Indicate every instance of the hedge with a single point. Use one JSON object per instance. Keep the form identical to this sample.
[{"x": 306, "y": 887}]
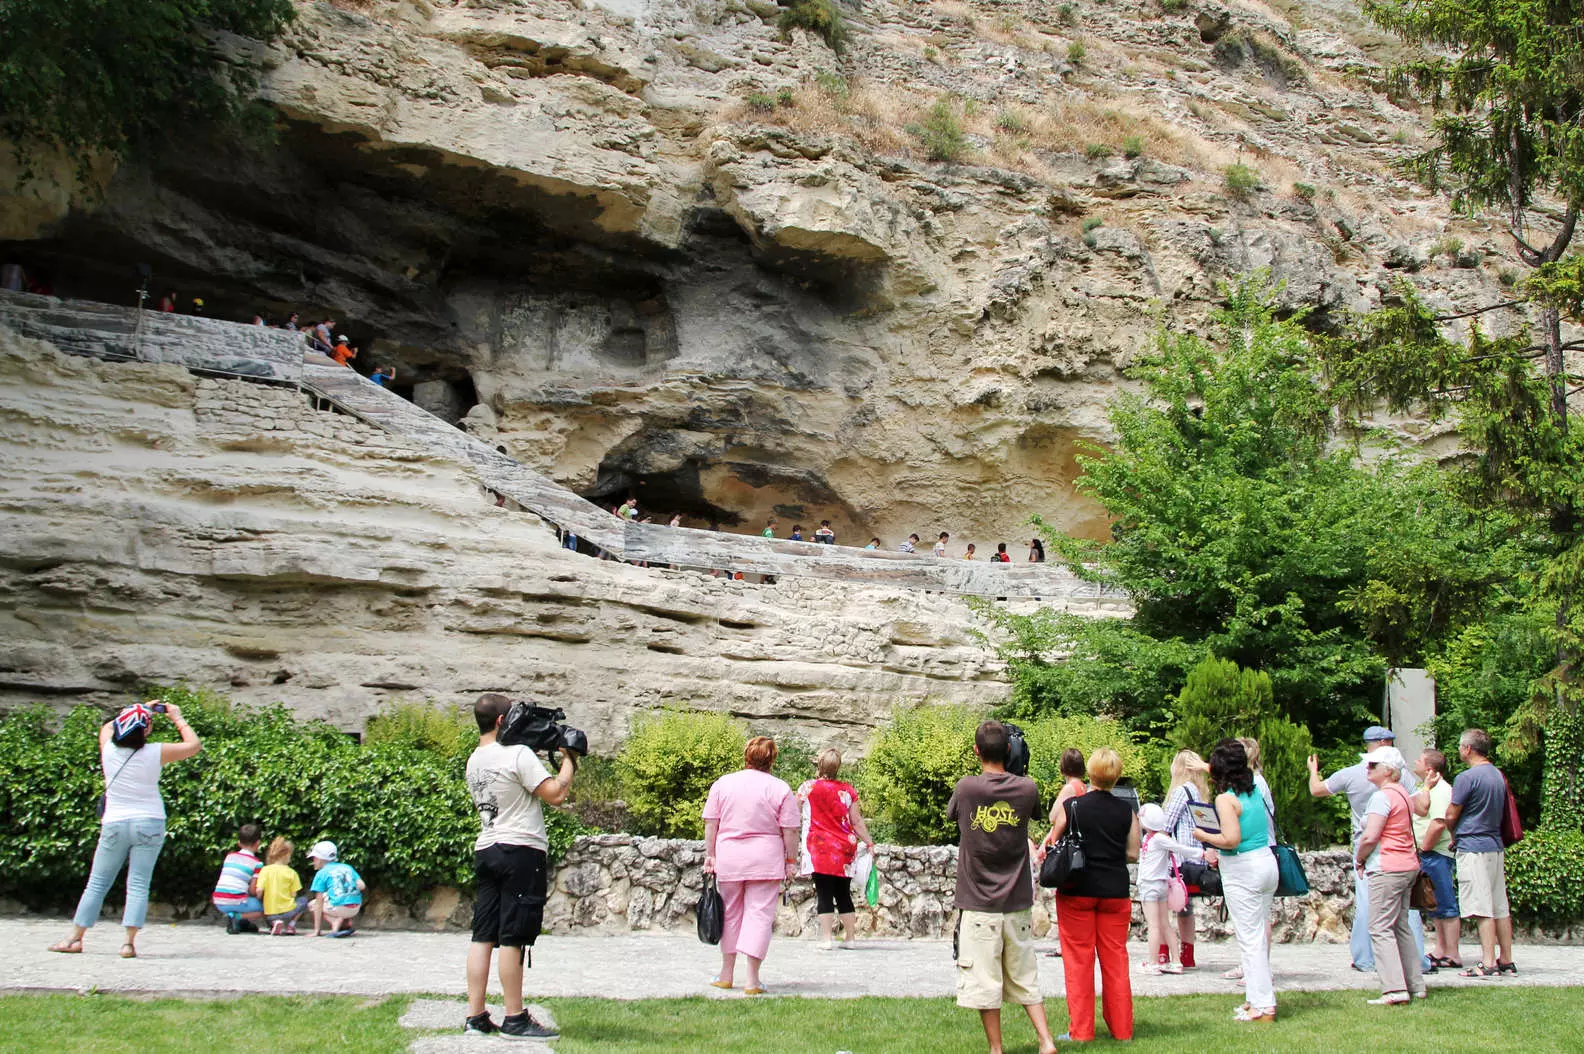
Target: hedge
[
  {"x": 1545, "y": 877},
  {"x": 399, "y": 812}
]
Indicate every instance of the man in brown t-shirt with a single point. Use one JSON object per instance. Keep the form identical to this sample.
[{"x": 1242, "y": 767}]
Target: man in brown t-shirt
[{"x": 995, "y": 890}]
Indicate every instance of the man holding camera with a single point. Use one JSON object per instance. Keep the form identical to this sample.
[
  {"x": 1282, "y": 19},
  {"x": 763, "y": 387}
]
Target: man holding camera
[{"x": 508, "y": 785}]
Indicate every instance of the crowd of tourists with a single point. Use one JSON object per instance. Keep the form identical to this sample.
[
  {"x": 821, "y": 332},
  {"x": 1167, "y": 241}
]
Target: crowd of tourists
[{"x": 1419, "y": 840}]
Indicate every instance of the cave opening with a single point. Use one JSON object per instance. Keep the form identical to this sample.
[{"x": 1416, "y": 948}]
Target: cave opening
[{"x": 662, "y": 494}]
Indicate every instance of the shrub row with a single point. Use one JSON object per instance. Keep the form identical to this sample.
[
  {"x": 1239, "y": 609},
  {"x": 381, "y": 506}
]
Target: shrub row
[{"x": 396, "y": 806}]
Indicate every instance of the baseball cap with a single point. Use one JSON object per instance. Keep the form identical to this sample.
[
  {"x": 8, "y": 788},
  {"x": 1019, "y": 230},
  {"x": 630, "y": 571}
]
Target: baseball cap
[
  {"x": 342, "y": 338},
  {"x": 129, "y": 720},
  {"x": 1152, "y": 817},
  {"x": 325, "y": 851},
  {"x": 1375, "y": 733},
  {"x": 1391, "y": 757}
]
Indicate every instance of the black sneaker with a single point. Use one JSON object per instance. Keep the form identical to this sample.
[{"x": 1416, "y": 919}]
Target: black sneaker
[
  {"x": 231, "y": 925},
  {"x": 479, "y": 1026},
  {"x": 523, "y": 1026},
  {"x": 246, "y": 926}
]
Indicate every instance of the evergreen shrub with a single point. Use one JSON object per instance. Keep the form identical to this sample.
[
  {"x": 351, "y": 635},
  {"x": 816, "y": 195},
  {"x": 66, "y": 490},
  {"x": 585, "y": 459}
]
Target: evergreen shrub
[
  {"x": 397, "y": 806},
  {"x": 668, "y": 763},
  {"x": 1545, "y": 877}
]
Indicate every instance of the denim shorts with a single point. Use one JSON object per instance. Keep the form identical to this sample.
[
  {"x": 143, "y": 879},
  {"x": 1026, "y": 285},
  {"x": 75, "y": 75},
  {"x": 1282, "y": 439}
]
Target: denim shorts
[{"x": 1439, "y": 868}]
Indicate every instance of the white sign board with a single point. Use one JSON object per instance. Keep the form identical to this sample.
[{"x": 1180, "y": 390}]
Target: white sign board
[{"x": 1410, "y": 708}]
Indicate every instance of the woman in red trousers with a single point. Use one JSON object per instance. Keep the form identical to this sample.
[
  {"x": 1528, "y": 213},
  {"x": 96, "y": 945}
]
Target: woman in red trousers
[{"x": 1093, "y": 912}]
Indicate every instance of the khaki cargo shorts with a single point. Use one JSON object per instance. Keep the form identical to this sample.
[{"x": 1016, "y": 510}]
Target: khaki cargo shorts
[
  {"x": 1482, "y": 885},
  {"x": 996, "y": 961}
]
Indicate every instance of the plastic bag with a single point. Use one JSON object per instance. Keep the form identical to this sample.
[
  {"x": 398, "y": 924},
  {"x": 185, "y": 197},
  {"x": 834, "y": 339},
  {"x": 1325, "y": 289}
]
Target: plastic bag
[
  {"x": 863, "y": 863},
  {"x": 711, "y": 913},
  {"x": 872, "y": 888}
]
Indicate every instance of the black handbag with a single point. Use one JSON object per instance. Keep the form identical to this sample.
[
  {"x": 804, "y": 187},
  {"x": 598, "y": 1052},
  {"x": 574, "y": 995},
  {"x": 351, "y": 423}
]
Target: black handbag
[
  {"x": 711, "y": 913},
  {"x": 1202, "y": 879},
  {"x": 1066, "y": 858}
]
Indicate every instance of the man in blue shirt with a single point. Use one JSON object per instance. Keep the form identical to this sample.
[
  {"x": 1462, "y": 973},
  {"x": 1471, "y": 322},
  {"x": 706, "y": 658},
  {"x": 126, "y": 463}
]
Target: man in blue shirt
[{"x": 1479, "y": 804}]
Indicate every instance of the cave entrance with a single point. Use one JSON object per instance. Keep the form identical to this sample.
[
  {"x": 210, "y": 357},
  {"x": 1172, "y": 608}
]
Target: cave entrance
[{"x": 661, "y": 494}]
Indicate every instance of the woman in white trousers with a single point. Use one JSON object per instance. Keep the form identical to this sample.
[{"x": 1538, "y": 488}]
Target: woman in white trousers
[{"x": 1248, "y": 873}]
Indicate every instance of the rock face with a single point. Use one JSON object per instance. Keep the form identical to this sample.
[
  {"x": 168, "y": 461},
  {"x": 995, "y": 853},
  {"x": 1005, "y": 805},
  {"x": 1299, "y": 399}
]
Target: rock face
[
  {"x": 669, "y": 250},
  {"x": 161, "y": 527}
]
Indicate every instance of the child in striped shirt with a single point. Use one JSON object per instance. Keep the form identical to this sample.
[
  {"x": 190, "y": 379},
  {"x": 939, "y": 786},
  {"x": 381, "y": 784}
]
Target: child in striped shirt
[{"x": 236, "y": 890}]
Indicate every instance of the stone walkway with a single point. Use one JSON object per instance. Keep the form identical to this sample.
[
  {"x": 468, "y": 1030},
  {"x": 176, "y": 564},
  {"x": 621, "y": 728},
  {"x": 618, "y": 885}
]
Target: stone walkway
[{"x": 199, "y": 959}]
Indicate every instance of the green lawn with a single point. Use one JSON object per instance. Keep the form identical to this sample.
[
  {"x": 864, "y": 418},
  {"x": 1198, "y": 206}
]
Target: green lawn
[{"x": 1501, "y": 1018}]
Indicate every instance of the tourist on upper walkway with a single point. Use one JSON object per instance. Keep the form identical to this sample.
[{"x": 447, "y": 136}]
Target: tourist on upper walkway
[
  {"x": 833, "y": 828},
  {"x": 874, "y": 543},
  {"x": 824, "y": 535},
  {"x": 769, "y": 530},
  {"x": 1000, "y": 556},
  {"x": 968, "y": 554},
  {"x": 1387, "y": 855},
  {"x": 383, "y": 376},
  {"x": 167, "y": 303},
  {"x": 994, "y": 893},
  {"x": 676, "y": 521},
  {"x": 343, "y": 353},
  {"x": 1479, "y": 804},
  {"x": 291, "y": 322},
  {"x": 909, "y": 546},
  {"x": 797, "y": 532},
  {"x": 1354, "y": 782},
  {"x": 751, "y": 846},
  {"x": 1188, "y": 784},
  {"x": 1094, "y": 910},
  {"x": 1248, "y": 873},
  {"x": 1036, "y": 551},
  {"x": 132, "y": 825},
  {"x": 940, "y": 544}
]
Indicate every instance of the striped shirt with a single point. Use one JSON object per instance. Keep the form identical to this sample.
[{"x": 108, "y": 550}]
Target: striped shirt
[{"x": 236, "y": 877}]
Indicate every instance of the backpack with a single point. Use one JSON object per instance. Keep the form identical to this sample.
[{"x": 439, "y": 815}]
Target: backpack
[{"x": 1017, "y": 761}]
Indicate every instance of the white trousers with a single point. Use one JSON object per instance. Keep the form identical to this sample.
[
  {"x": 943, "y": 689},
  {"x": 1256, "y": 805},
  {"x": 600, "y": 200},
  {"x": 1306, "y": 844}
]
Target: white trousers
[{"x": 1249, "y": 880}]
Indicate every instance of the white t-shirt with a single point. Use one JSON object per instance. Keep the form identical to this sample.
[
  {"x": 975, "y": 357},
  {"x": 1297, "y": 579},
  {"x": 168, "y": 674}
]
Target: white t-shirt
[
  {"x": 132, "y": 790},
  {"x": 502, "y": 781}
]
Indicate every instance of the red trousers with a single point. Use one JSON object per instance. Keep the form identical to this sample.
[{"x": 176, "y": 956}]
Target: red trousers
[{"x": 1093, "y": 927}]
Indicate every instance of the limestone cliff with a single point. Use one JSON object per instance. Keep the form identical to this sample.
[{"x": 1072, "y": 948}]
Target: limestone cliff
[
  {"x": 161, "y": 527},
  {"x": 668, "y": 249}
]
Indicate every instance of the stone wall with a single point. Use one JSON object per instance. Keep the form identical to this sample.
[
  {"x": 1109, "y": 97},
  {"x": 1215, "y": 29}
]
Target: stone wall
[{"x": 617, "y": 883}]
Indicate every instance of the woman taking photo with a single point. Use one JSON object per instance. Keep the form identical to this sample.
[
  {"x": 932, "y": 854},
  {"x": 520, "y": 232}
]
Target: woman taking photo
[
  {"x": 1093, "y": 911},
  {"x": 132, "y": 829},
  {"x": 1248, "y": 873},
  {"x": 750, "y": 846},
  {"x": 1388, "y": 855},
  {"x": 1188, "y": 783},
  {"x": 832, "y": 829}
]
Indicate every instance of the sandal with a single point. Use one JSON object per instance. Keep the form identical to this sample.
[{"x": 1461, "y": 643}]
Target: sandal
[
  {"x": 1481, "y": 970},
  {"x": 127, "y": 951},
  {"x": 1446, "y": 962},
  {"x": 716, "y": 982},
  {"x": 69, "y": 946},
  {"x": 1511, "y": 968},
  {"x": 757, "y": 990}
]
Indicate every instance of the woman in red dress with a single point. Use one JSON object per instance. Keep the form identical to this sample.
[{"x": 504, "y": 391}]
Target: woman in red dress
[{"x": 832, "y": 829}]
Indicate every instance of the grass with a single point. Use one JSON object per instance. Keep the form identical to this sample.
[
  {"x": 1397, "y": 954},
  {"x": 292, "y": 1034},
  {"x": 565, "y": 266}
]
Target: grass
[{"x": 1497, "y": 1020}]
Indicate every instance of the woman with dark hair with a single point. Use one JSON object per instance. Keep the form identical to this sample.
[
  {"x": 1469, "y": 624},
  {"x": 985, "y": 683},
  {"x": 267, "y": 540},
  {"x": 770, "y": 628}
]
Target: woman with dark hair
[
  {"x": 1036, "y": 551},
  {"x": 751, "y": 822},
  {"x": 132, "y": 828},
  {"x": 1072, "y": 772},
  {"x": 1248, "y": 873}
]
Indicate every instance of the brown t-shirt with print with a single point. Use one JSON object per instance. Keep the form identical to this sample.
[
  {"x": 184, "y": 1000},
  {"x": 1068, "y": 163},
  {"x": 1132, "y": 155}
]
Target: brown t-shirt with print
[{"x": 992, "y": 812}]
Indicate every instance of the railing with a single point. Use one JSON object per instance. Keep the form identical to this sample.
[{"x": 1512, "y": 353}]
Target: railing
[{"x": 258, "y": 353}]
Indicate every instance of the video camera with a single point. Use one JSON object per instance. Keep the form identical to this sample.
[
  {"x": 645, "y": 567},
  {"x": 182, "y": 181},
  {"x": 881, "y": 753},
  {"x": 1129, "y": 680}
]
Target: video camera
[{"x": 540, "y": 728}]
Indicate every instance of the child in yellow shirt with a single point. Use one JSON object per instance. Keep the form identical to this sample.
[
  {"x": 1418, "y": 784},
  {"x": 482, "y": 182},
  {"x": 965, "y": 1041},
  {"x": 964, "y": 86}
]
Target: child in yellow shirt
[{"x": 278, "y": 886}]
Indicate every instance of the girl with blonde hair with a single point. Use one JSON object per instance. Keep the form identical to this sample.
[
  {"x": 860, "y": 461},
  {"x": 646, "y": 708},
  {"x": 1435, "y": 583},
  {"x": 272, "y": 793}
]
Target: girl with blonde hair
[{"x": 1188, "y": 783}]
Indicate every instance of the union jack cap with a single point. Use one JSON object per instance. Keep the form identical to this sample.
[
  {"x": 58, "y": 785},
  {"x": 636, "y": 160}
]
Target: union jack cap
[{"x": 130, "y": 720}]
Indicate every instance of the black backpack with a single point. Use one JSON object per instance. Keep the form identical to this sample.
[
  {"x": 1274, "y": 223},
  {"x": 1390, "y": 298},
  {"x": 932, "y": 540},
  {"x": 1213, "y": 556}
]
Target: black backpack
[{"x": 1017, "y": 761}]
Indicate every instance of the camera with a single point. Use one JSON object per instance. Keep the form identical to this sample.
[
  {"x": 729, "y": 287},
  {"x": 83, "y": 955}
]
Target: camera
[
  {"x": 159, "y": 708},
  {"x": 541, "y": 728}
]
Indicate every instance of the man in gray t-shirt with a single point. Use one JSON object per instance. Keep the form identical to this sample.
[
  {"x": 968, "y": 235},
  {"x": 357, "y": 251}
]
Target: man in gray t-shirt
[
  {"x": 1354, "y": 782},
  {"x": 1479, "y": 804}
]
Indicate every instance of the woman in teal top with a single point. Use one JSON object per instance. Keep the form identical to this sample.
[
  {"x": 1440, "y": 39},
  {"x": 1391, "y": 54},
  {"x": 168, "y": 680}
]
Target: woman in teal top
[{"x": 1248, "y": 873}]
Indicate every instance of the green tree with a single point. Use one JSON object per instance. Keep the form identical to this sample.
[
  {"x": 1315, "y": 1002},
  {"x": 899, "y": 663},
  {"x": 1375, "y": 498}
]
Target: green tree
[
  {"x": 84, "y": 76},
  {"x": 668, "y": 764},
  {"x": 1219, "y": 700}
]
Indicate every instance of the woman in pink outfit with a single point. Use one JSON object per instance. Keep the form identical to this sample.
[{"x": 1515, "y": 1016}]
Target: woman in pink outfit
[{"x": 750, "y": 843}]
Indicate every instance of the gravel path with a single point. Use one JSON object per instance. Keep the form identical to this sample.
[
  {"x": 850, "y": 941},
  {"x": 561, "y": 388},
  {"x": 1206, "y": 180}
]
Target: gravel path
[{"x": 200, "y": 959}]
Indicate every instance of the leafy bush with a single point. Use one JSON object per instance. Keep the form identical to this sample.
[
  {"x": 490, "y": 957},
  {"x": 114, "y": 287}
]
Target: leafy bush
[
  {"x": 420, "y": 726},
  {"x": 1066, "y": 15},
  {"x": 400, "y": 813},
  {"x": 1303, "y": 191},
  {"x": 1172, "y": 7},
  {"x": 819, "y": 17},
  {"x": 1240, "y": 180},
  {"x": 832, "y": 84},
  {"x": 941, "y": 133},
  {"x": 668, "y": 764},
  {"x": 1545, "y": 876},
  {"x": 1076, "y": 52},
  {"x": 1133, "y": 146},
  {"x": 916, "y": 759},
  {"x": 785, "y": 98},
  {"x": 1092, "y": 223}
]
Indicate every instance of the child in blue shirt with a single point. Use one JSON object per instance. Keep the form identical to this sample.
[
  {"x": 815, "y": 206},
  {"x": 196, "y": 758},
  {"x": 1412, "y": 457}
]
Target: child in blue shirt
[{"x": 337, "y": 889}]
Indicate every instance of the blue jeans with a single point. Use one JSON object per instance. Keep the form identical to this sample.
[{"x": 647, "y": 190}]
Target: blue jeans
[
  {"x": 1359, "y": 939},
  {"x": 1439, "y": 868},
  {"x": 135, "y": 845}
]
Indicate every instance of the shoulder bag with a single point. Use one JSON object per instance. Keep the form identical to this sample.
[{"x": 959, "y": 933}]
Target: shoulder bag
[
  {"x": 1512, "y": 828},
  {"x": 104, "y": 799},
  {"x": 711, "y": 913},
  {"x": 1066, "y": 858},
  {"x": 1290, "y": 878}
]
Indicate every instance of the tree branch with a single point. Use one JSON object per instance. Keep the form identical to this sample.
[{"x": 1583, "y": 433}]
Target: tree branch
[{"x": 1476, "y": 311}]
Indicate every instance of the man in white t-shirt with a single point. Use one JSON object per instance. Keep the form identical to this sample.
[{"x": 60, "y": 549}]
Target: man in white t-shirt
[
  {"x": 508, "y": 785},
  {"x": 1353, "y": 781}
]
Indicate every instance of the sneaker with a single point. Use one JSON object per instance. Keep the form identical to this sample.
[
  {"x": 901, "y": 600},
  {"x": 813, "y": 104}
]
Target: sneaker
[
  {"x": 479, "y": 1026},
  {"x": 523, "y": 1026},
  {"x": 1188, "y": 962},
  {"x": 232, "y": 929},
  {"x": 826, "y": 946},
  {"x": 1171, "y": 968},
  {"x": 278, "y": 928},
  {"x": 1149, "y": 967},
  {"x": 1391, "y": 999},
  {"x": 246, "y": 926},
  {"x": 340, "y": 933}
]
